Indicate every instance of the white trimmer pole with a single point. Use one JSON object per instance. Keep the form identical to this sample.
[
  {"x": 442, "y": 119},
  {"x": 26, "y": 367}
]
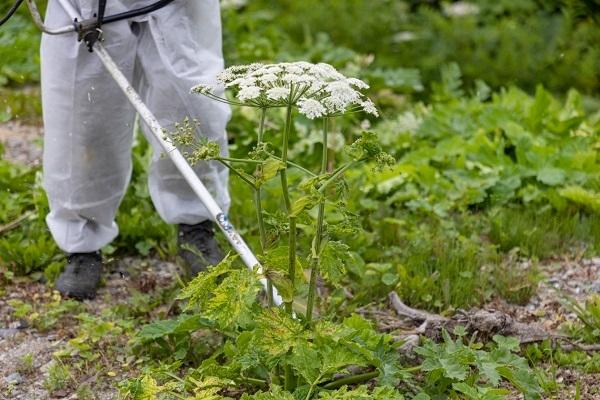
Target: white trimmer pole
[{"x": 177, "y": 158}]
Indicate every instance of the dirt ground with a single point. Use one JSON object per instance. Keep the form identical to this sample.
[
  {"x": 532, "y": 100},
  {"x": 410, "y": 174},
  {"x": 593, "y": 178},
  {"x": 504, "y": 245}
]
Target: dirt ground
[
  {"x": 122, "y": 279},
  {"x": 573, "y": 276},
  {"x": 22, "y": 143}
]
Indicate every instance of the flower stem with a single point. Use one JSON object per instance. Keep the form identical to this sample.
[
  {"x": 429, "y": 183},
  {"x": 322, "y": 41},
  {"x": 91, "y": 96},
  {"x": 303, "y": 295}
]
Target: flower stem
[
  {"x": 235, "y": 171},
  {"x": 337, "y": 173},
  {"x": 349, "y": 380},
  {"x": 240, "y": 160},
  {"x": 293, "y": 164},
  {"x": 249, "y": 161},
  {"x": 288, "y": 206},
  {"x": 259, "y": 215},
  {"x": 316, "y": 256}
]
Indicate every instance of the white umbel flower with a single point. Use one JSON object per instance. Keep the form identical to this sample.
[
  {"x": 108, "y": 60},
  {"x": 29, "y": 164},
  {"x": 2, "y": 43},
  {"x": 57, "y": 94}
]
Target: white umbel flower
[
  {"x": 203, "y": 88},
  {"x": 249, "y": 93},
  {"x": 267, "y": 78},
  {"x": 369, "y": 107},
  {"x": 311, "y": 108},
  {"x": 277, "y": 85},
  {"x": 278, "y": 93}
]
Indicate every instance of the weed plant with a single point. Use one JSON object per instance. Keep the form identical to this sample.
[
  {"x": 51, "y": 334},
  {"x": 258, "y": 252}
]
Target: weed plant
[{"x": 296, "y": 350}]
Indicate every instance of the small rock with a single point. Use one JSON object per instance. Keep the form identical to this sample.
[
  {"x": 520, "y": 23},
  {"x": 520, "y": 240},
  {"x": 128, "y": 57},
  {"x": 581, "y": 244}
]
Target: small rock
[
  {"x": 20, "y": 324},
  {"x": 8, "y": 333},
  {"x": 14, "y": 379}
]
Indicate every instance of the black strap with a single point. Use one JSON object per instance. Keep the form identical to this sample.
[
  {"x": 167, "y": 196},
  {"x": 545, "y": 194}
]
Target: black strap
[
  {"x": 137, "y": 12},
  {"x": 101, "y": 11},
  {"x": 90, "y": 29},
  {"x": 11, "y": 12}
]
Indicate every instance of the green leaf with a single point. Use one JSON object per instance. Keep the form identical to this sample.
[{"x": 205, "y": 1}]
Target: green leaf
[
  {"x": 276, "y": 262},
  {"x": 523, "y": 380},
  {"x": 275, "y": 393},
  {"x": 389, "y": 278},
  {"x": 332, "y": 261},
  {"x": 224, "y": 293},
  {"x": 268, "y": 170},
  {"x": 301, "y": 204},
  {"x": 306, "y": 361},
  {"x": 460, "y": 331},
  {"x": 278, "y": 333},
  {"x": 509, "y": 343},
  {"x": 467, "y": 390},
  {"x": 362, "y": 393},
  {"x": 583, "y": 197},
  {"x": 488, "y": 370},
  {"x": 283, "y": 284},
  {"x": 551, "y": 176},
  {"x": 480, "y": 393},
  {"x": 453, "y": 369},
  {"x": 421, "y": 396},
  {"x": 182, "y": 324}
]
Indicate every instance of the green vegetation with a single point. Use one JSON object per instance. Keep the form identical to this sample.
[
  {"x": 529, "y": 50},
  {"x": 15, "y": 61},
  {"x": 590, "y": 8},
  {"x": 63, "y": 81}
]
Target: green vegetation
[
  {"x": 503, "y": 43},
  {"x": 587, "y": 325}
]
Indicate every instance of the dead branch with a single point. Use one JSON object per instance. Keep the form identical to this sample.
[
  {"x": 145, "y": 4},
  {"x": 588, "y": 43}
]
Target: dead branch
[
  {"x": 483, "y": 323},
  {"x": 590, "y": 348},
  {"x": 15, "y": 223}
]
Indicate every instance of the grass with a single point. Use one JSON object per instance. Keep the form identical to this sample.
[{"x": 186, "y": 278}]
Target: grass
[
  {"x": 542, "y": 234},
  {"x": 26, "y": 365},
  {"x": 440, "y": 273},
  {"x": 587, "y": 326},
  {"x": 59, "y": 377},
  {"x": 516, "y": 280}
]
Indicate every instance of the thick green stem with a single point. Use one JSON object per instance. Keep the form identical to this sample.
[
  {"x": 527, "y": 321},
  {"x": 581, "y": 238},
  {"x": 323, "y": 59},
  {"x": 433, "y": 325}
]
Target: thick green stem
[
  {"x": 289, "y": 376},
  {"x": 316, "y": 256},
  {"x": 288, "y": 206},
  {"x": 349, "y": 380},
  {"x": 259, "y": 215}
]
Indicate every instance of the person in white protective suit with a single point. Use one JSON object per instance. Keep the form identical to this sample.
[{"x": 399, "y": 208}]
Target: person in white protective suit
[{"x": 89, "y": 129}]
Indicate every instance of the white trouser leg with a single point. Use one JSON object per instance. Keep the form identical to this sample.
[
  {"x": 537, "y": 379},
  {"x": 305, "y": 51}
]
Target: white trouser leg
[
  {"x": 180, "y": 46},
  {"x": 88, "y": 133}
]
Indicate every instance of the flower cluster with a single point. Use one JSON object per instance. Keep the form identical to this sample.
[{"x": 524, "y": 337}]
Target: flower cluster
[
  {"x": 195, "y": 148},
  {"x": 318, "y": 90}
]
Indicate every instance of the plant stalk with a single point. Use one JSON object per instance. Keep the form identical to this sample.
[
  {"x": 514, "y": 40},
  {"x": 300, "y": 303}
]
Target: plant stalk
[
  {"x": 349, "y": 380},
  {"x": 243, "y": 160},
  {"x": 235, "y": 171},
  {"x": 337, "y": 173},
  {"x": 289, "y": 376},
  {"x": 259, "y": 215},
  {"x": 316, "y": 257},
  {"x": 288, "y": 206}
]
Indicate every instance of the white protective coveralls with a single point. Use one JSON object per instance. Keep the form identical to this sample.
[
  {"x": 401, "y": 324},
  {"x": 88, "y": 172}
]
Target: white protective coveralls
[{"x": 89, "y": 121}]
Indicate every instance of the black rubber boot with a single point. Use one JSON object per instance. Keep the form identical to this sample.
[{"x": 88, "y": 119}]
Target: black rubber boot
[
  {"x": 81, "y": 276},
  {"x": 200, "y": 238}
]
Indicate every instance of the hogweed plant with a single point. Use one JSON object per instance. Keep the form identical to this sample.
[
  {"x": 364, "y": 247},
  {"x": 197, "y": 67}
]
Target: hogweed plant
[
  {"x": 283, "y": 352},
  {"x": 315, "y": 91},
  {"x": 287, "y": 339}
]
